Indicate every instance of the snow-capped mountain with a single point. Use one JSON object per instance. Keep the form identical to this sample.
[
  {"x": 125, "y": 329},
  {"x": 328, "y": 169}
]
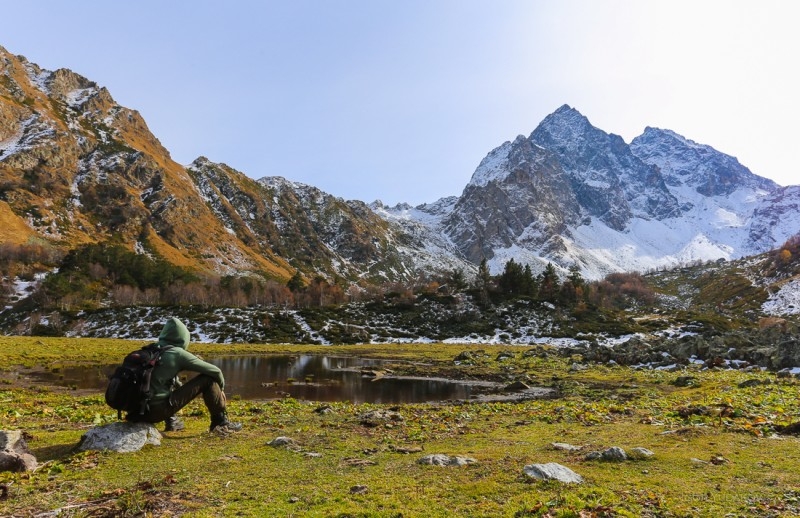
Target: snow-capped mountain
[
  {"x": 77, "y": 168},
  {"x": 572, "y": 194}
]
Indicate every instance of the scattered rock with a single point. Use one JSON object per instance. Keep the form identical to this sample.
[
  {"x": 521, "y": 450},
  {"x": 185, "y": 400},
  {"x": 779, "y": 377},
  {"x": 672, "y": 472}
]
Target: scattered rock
[
  {"x": 504, "y": 356},
  {"x": 324, "y": 409},
  {"x": 613, "y": 454},
  {"x": 714, "y": 362},
  {"x": 440, "y": 459},
  {"x": 375, "y": 418},
  {"x": 640, "y": 453},
  {"x": 754, "y": 382},
  {"x": 718, "y": 460},
  {"x": 685, "y": 381},
  {"x": 537, "y": 352},
  {"x": 552, "y": 471},
  {"x": 14, "y": 453},
  {"x": 284, "y": 442},
  {"x": 405, "y": 450},
  {"x": 577, "y": 367},
  {"x": 564, "y": 446},
  {"x": 358, "y": 490},
  {"x": 122, "y": 437},
  {"x": 463, "y": 356}
]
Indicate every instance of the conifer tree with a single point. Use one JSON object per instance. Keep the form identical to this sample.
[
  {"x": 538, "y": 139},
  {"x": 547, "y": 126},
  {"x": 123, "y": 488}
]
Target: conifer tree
[
  {"x": 483, "y": 281},
  {"x": 296, "y": 283},
  {"x": 457, "y": 281},
  {"x": 548, "y": 284},
  {"x": 511, "y": 280}
]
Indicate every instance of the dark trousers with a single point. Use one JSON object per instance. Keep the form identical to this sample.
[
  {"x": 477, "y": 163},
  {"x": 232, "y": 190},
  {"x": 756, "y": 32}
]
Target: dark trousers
[{"x": 160, "y": 410}]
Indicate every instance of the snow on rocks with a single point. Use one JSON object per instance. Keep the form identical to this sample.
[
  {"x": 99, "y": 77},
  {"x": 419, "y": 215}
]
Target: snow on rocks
[{"x": 786, "y": 301}]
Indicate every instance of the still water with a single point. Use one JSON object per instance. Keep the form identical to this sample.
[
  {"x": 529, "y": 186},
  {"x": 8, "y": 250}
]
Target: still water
[{"x": 305, "y": 377}]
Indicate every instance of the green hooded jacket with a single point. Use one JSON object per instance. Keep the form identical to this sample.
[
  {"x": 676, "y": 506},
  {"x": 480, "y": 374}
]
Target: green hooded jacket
[{"x": 178, "y": 359}]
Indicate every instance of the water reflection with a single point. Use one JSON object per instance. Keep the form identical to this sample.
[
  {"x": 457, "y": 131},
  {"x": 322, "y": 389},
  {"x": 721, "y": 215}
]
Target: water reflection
[
  {"x": 328, "y": 378},
  {"x": 307, "y": 377}
]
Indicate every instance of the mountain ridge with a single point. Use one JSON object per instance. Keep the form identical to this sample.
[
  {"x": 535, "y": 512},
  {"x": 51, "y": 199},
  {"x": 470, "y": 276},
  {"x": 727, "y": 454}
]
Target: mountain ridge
[
  {"x": 76, "y": 167},
  {"x": 573, "y": 194}
]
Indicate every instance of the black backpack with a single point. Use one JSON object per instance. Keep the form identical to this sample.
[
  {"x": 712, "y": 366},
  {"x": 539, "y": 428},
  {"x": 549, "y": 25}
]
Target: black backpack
[{"x": 129, "y": 387}]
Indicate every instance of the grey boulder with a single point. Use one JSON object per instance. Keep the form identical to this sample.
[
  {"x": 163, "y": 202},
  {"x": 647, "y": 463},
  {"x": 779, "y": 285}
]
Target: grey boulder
[
  {"x": 120, "y": 437},
  {"x": 14, "y": 452},
  {"x": 552, "y": 471}
]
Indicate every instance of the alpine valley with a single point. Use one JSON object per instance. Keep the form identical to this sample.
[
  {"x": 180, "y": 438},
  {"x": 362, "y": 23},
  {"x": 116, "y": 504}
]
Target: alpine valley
[{"x": 77, "y": 169}]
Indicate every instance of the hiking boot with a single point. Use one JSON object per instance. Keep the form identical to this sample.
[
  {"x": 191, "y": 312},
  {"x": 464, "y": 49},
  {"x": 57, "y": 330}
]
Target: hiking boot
[
  {"x": 220, "y": 424},
  {"x": 173, "y": 424}
]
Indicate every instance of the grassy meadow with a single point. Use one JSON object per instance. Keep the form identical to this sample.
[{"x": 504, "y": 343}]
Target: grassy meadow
[{"x": 712, "y": 432}]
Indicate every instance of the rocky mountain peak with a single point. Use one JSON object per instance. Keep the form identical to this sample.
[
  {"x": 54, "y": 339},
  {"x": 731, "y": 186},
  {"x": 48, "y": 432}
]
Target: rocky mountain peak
[
  {"x": 609, "y": 181},
  {"x": 64, "y": 84},
  {"x": 76, "y": 167},
  {"x": 701, "y": 167}
]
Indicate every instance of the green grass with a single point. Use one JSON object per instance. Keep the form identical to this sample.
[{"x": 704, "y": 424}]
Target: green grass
[{"x": 195, "y": 473}]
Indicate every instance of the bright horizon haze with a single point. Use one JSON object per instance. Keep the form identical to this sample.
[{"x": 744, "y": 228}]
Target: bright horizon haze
[{"x": 400, "y": 101}]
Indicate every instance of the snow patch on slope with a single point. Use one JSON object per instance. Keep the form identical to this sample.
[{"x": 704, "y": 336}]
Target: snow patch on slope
[
  {"x": 786, "y": 301},
  {"x": 494, "y": 166}
]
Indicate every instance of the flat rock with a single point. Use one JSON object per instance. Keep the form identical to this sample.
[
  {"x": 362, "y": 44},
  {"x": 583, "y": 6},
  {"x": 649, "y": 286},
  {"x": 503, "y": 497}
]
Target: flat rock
[
  {"x": 552, "y": 471},
  {"x": 640, "y": 453},
  {"x": 121, "y": 437},
  {"x": 278, "y": 442},
  {"x": 440, "y": 459},
  {"x": 564, "y": 446}
]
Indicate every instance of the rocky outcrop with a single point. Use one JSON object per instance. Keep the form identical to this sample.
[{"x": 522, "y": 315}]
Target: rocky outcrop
[
  {"x": 775, "y": 348},
  {"x": 609, "y": 181},
  {"x": 14, "y": 452},
  {"x": 519, "y": 192},
  {"x": 76, "y": 167}
]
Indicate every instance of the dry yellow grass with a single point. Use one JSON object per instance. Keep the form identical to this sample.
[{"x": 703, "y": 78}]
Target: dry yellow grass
[{"x": 13, "y": 229}]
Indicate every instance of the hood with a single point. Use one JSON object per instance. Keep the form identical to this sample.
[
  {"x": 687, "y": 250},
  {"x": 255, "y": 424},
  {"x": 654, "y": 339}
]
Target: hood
[{"x": 174, "y": 333}]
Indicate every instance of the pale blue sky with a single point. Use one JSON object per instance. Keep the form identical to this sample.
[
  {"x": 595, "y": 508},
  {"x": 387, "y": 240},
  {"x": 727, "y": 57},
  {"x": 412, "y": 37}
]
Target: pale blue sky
[{"x": 400, "y": 100}]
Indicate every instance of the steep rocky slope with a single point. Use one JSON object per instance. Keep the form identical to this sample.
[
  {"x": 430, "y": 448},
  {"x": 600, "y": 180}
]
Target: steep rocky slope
[{"x": 76, "y": 167}]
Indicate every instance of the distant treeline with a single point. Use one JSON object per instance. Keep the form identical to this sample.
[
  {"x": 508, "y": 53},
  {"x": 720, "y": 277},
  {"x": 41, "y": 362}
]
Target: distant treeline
[{"x": 102, "y": 275}]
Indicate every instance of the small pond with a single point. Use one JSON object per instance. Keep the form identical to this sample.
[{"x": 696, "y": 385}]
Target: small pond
[{"x": 304, "y": 377}]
